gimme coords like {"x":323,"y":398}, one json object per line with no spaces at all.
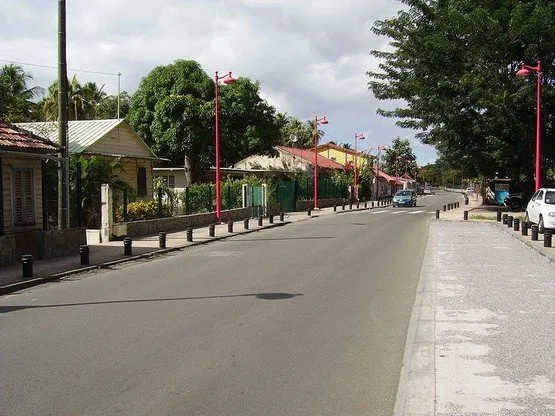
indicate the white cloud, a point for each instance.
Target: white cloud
{"x":310,"y":57}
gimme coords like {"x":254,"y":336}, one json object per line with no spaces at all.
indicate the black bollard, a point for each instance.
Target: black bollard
{"x":466,"y":200}
{"x":162,"y":239}
{"x":281,"y":216}
{"x":211,"y":230}
{"x":444,"y":208}
{"x":510,"y":221}
{"x":465,"y":215}
{"x":351,"y":205}
{"x":127,"y":246}
{"x":534,"y":232}
{"x":498,"y":216}
{"x":366,"y":205}
{"x":343,"y":206}
{"x":437,"y":213}
{"x":27,"y":265}
{"x":189,"y":232}
{"x":260,"y":219}
{"x":358,"y":205}
{"x":271,"y":219}
{"x":547,"y":238}
{"x":309,"y":212}
{"x":505,"y":219}
{"x":524,"y":228}
{"x":372,"y":206}
{"x":246,"y":223}
{"x":516,"y":224}
{"x":230,"y":226}
{"x":458,"y":204}
{"x":334,"y":208}
{"x":84,"y":255}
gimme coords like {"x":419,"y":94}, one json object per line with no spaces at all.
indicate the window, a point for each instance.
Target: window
{"x":171,"y":181}
{"x":24,"y":198}
{"x":141,"y":182}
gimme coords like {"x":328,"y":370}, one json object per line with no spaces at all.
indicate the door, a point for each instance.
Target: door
{"x":286,"y":196}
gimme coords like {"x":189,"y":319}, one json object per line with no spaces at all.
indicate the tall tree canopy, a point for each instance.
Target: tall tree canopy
{"x":454,"y":63}
{"x":398,"y":157}
{"x":16,"y":97}
{"x":173,"y":110}
{"x":81,"y":104}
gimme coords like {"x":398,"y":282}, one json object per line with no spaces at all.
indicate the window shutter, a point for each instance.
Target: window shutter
{"x":18,"y":198}
{"x":29,"y":213}
{"x":141,"y":182}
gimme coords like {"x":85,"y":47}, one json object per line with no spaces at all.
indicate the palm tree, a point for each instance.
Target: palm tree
{"x":81,"y":100}
{"x":15,"y":96}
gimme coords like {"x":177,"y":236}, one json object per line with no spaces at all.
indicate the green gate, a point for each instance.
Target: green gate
{"x":286,"y":195}
{"x":254,"y":198}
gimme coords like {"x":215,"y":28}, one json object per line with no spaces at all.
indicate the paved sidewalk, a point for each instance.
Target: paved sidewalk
{"x":111,"y":253}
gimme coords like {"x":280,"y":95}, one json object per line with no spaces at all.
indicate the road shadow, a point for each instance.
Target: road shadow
{"x":283,"y":238}
{"x":262,"y":296}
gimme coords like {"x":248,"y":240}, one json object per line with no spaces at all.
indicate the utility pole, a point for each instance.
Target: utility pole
{"x":63,"y":164}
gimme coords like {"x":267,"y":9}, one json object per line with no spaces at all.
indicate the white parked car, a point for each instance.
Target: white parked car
{"x":541,"y":209}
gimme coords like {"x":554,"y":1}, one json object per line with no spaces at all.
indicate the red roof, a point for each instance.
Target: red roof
{"x":388,"y":178}
{"x":13,"y":138}
{"x":308,"y":155}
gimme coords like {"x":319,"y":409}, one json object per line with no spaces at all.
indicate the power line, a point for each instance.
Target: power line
{"x":54,"y":67}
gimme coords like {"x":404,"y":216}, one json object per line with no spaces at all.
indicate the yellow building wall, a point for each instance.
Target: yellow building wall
{"x":342,"y":157}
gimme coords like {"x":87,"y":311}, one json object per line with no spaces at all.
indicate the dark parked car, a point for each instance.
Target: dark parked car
{"x":515,"y":201}
{"x":404,"y":197}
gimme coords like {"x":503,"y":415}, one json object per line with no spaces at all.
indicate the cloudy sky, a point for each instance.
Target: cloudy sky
{"x":310,"y":57}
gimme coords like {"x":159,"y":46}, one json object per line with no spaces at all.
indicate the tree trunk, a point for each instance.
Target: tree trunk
{"x":188,"y":170}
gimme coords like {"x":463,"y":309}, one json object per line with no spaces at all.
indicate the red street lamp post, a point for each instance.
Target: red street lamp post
{"x":525,"y":71}
{"x":317,"y":121}
{"x":227,"y":79}
{"x":358,"y":136}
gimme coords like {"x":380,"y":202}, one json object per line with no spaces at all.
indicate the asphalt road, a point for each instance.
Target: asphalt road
{"x":307,"y":319}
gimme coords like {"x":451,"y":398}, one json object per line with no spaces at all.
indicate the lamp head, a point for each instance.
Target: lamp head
{"x":523,"y":72}
{"x":323,"y":120}
{"x":228,"y":79}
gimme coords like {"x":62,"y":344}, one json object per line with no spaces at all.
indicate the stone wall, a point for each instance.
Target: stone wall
{"x":144,"y":228}
{"x":322,"y":203}
{"x":7,"y":250}
{"x":58,"y":243}
{"x":48,"y":244}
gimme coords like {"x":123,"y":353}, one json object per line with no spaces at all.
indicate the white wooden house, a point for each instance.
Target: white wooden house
{"x":109,"y":138}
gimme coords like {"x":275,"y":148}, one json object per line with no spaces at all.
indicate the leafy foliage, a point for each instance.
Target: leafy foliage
{"x":454,"y":64}
{"x":82,"y":100}
{"x":16,"y":97}
{"x":141,"y":210}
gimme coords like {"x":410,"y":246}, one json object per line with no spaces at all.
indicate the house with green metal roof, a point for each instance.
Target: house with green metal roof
{"x":109,"y":138}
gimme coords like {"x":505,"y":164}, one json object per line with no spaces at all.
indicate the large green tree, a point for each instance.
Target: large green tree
{"x":454,"y":64}
{"x":398,"y":157}
{"x":16,"y":97}
{"x":173,"y":111}
{"x":107,"y":108}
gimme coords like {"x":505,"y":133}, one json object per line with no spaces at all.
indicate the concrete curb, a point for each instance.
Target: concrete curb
{"x":25,"y":284}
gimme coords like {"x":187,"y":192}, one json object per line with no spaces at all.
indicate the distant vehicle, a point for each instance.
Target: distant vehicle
{"x":468,"y":191}
{"x":428,"y":191}
{"x":404,"y":197}
{"x":541,"y":209}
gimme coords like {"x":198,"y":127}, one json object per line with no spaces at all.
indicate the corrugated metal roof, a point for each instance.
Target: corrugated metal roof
{"x":14,"y":138}
{"x":81,"y":133}
{"x":308,"y":155}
